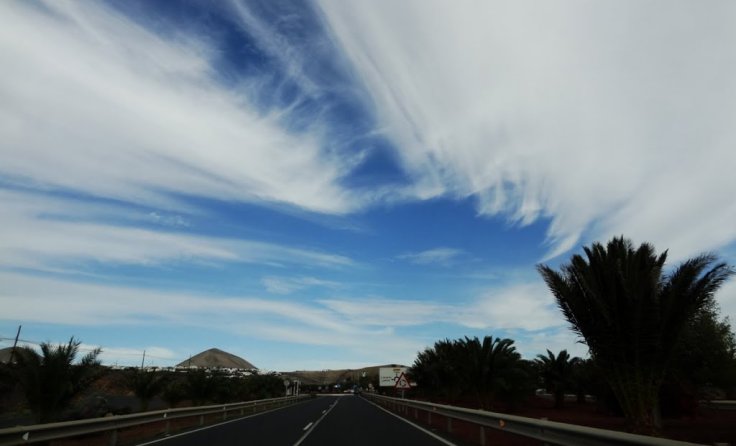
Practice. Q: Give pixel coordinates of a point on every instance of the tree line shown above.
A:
(654, 337)
(52, 380)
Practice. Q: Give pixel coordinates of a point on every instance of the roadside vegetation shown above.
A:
(632, 315)
(55, 384)
(656, 342)
(51, 380)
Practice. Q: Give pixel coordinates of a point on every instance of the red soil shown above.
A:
(707, 426)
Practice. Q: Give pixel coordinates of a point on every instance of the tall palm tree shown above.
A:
(557, 373)
(630, 313)
(51, 380)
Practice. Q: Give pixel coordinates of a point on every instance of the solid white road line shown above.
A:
(430, 433)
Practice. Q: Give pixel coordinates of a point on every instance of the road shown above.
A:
(324, 421)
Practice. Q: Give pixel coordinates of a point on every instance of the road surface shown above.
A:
(323, 421)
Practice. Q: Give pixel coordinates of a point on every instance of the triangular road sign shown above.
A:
(403, 383)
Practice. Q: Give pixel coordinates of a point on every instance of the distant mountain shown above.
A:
(216, 358)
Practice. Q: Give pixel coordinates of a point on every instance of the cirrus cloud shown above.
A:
(142, 118)
(600, 117)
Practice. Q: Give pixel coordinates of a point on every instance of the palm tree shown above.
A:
(51, 380)
(557, 373)
(485, 366)
(436, 369)
(630, 314)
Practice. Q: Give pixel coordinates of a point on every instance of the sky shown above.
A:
(335, 184)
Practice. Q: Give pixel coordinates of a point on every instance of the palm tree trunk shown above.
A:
(637, 393)
(559, 398)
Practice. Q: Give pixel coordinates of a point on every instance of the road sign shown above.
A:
(387, 376)
(403, 383)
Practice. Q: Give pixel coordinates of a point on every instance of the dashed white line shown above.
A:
(308, 425)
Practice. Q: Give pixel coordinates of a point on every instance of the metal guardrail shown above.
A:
(548, 432)
(720, 404)
(65, 430)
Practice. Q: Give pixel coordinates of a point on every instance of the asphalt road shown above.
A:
(324, 421)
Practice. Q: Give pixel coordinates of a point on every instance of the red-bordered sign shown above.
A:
(402, 383)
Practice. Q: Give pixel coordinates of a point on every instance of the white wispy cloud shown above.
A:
(382, 312)
(726, 299)
(288, 285)
(42, 300)
(45, 232)
(604, 118)
(527, 306)
(517, 306)
(292, 60)
(98, 104)
(438, 256)
(368, 326)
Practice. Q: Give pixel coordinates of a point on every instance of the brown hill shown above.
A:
(330, 377)
(216, 358)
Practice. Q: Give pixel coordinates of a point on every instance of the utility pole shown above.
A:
(12, 352)
(144, 359)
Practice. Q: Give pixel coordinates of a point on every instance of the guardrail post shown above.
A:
(542, 431)
(429, 418)
(416, 413)
(113, 437)
(482, 436)
(224, 413)
(201, 420)
(449, 425)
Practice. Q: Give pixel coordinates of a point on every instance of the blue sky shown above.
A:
(333, 184)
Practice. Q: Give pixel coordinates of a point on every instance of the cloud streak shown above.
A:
(140, 118)
(436, 256)
(289, 285)
(43, 232)
(518, 306)
(369, 326)
(601, 118)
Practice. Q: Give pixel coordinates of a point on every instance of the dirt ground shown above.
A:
(706, 426)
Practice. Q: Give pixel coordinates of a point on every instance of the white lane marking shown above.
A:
(308, 426)
(324, 414)
(430, 433)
